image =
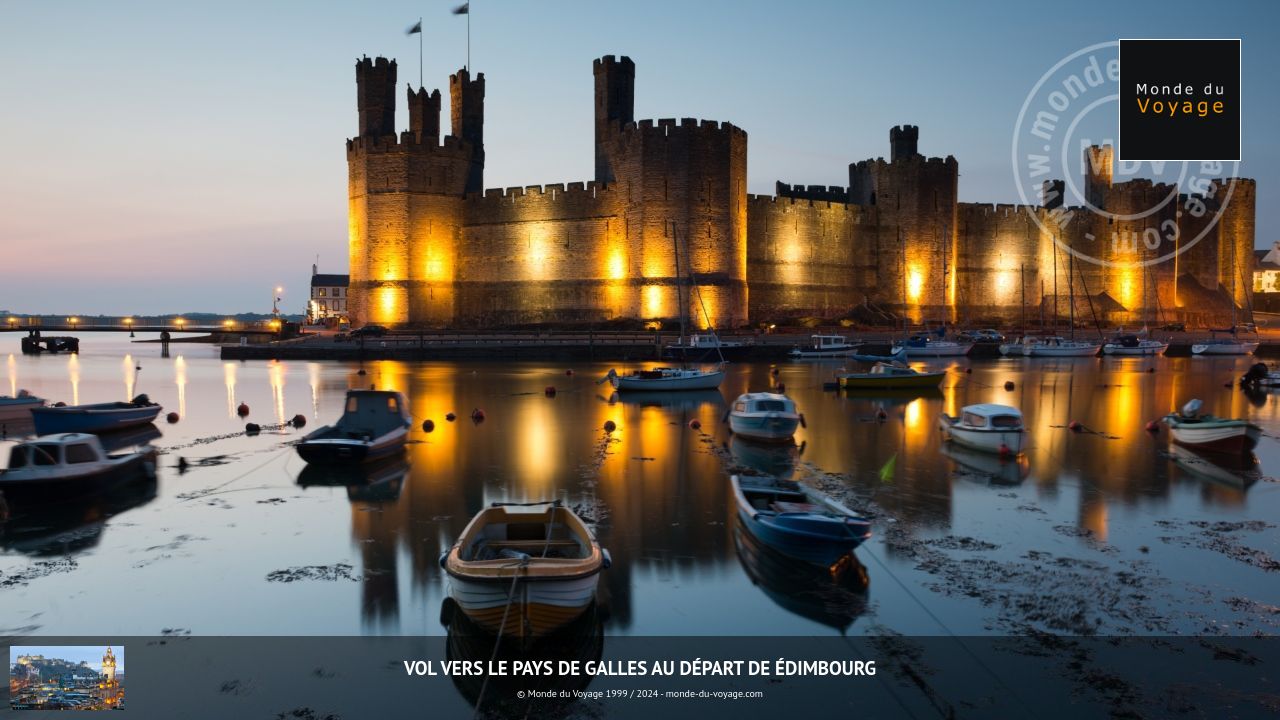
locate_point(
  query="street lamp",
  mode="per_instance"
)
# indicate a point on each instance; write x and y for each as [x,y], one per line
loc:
[180,322]
[128,322]
[13,322]
[73,321]
[275,302]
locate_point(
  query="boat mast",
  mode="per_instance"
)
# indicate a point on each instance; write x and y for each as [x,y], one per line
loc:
[1056,314]
[902,272]
[1071,291]
[943,313]
[675,245]
[1022,286]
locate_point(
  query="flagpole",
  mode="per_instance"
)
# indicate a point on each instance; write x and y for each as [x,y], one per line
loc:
[468,36]
[420,33]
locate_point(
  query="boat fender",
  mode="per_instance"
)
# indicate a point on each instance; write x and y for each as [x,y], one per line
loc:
[802,422]
[1153,426]
[252,428]
[477,416]
[450,417]
[1008,385]
[171,417]
[1075,426]
[608,559]
[610,426]
[242,410]
[299,421]
[1005,452]
[695,424]
[881,415]
[428,425]
[549,391]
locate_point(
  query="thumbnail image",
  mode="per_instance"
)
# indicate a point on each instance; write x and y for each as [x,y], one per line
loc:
[66,677]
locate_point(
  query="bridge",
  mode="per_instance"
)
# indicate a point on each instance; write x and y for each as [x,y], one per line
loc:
[128,325]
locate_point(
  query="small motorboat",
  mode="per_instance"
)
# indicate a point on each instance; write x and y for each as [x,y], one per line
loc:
[771,417]
[68,466]
[1015,348]
[926,346]
[709,347]
[1260,376]
[798,520]
[987,427]
[1057,346]
[1189,428]
[1223,346]
[96,418]
[375,424]
[665,379]
[524,572]
[893,353]
[891,376]
[825,346]
[18,409]
[1132,345]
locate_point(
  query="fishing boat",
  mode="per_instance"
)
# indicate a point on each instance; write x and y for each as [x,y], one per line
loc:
[664,379]
[798,520]
[1189,428]
[1058,346]
[18,409]
[1132,345]
[893,353]
[66,466]
[771,417]
[1225,346]
[987,427]
[890,376]
[702,346]
[926,346]
[374,424]
[96,418]
[524,572]
[825,346]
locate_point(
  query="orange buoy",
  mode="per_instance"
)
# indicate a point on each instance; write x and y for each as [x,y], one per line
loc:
[428,425]
[171,417]
[569,372]
[299,420]
[1005,452]
[881,415]
[242,410]
[1075,426]
[694,424]
[450,417]
[477,416]
[1008,385]
[1153,426]
[610,426]
[549,391]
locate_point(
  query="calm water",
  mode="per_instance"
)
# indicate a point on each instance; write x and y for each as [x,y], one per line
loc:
[1100,531]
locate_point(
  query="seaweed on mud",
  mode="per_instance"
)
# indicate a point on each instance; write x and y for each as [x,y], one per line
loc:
[36,570]
[338,571]
[1220,537]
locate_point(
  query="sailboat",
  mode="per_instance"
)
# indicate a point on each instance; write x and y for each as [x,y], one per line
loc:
[664,379]
[1227,346]
[1056,345]
[923,345]
[1135,344]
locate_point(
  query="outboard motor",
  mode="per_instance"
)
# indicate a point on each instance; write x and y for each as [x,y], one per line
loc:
[1191,409]
[141,400]
[1256,373]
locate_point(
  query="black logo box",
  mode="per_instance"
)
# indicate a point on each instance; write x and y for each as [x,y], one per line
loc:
[1189,64]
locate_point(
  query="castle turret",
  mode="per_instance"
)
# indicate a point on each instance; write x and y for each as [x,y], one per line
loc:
[902,142]
[467,104]
[424,115]
[376,96]
[1098,165]
[615,106]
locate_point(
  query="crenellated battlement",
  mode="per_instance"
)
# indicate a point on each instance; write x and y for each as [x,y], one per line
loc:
[830,193]
[669,127]
[994,210]
[406,142]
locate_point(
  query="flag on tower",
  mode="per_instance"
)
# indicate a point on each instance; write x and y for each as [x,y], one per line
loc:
[463,9]
[417,28]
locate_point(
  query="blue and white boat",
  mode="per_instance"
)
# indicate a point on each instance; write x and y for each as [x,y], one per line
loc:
[896,353]
[770,417]
[797,520]
[96,418]
[374,424]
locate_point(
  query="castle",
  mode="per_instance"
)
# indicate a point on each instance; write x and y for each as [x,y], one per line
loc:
[668,209]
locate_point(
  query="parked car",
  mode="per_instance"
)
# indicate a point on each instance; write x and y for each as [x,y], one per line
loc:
[1174,327]
[981,336]
[369,331]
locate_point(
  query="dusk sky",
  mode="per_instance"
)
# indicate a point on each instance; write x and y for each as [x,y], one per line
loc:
[91,654]
[171,157]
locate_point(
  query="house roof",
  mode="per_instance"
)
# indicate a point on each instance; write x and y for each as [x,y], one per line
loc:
[330,280]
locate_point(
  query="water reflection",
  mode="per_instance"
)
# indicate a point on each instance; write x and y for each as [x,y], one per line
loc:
[765,458]
[229,379]
[987,468]
[834,596]
[180,380]
[66,528]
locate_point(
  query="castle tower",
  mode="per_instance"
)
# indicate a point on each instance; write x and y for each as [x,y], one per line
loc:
[614,107]
[376,96]
[1098,167]
[424,115]
[109,666]
[466,98]
[902,142]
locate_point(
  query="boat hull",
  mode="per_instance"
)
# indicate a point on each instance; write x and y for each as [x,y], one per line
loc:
[990,441]
[767,428]
[707,354]
[93,481]
[1243,348]
[538,606]
[816,539]
[702,381]
[18,410]
[937,351]
[822,354]
[348,452]
[1050,351]
[1235,437]
[871,381]
[54,420]
[1122,351]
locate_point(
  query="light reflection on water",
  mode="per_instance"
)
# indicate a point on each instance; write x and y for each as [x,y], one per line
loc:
[197,554]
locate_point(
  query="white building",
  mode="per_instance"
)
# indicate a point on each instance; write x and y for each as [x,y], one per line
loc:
[1266,270]
[328,297]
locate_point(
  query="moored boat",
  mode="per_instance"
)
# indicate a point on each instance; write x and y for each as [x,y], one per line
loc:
[798,520]
[890,376]
[95,418]
[708,346]
[1189,428]
[525,572]
[1224,346]
[18,409]
[926,346]
[665,379]
[374,424]
[1056,346]
[987,427]
[1132,345]
[770,417]
[825,346]
[892,353]
[66,466]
